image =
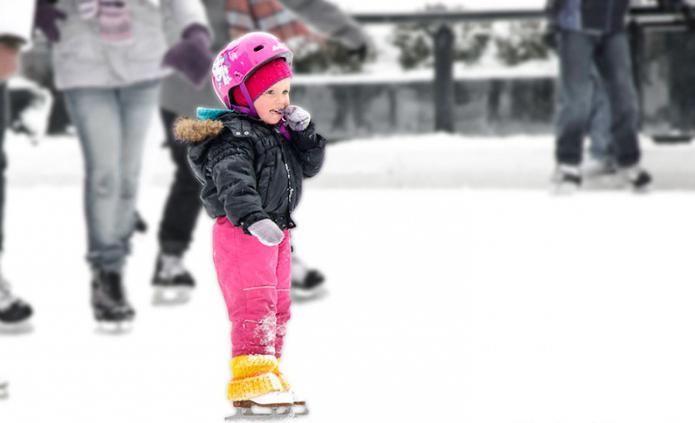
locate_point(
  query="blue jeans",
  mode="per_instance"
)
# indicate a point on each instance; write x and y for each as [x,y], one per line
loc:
[611,55]
[112,124]
[600,146]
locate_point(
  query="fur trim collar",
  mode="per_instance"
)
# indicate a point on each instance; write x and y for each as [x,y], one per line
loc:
[194,131]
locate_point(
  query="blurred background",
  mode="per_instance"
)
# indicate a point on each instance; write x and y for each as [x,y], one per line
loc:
[457,288]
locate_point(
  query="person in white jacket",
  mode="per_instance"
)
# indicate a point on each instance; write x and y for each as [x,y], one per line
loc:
[16,21]
[107,60]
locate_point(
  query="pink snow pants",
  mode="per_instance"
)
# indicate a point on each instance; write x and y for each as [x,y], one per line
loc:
[255,281]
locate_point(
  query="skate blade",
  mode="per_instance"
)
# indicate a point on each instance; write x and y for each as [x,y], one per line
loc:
[19,328]
[564,190]
[114,328]
[301,296]
[261,413]
[299,410]
[171,296]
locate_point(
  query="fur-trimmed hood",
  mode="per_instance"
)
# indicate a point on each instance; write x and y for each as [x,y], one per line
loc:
[206,126]
[194,131]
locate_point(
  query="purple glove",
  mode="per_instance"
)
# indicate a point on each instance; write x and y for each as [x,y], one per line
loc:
[191,56]
[297,118]
[46,19]
[267,232]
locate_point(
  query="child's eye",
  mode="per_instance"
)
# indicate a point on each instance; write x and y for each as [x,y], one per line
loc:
[270,92]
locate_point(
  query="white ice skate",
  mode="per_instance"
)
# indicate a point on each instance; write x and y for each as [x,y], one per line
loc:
[566,180]
[299,405]
[275,405]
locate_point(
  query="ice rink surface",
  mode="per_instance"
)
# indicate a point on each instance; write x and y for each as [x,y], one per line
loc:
[459,290]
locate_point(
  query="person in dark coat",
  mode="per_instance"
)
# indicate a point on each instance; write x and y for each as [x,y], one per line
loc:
[593,32]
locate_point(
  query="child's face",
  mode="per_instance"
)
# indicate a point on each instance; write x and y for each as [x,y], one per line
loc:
[269,105]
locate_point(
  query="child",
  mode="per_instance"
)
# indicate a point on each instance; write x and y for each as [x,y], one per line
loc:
[251,158]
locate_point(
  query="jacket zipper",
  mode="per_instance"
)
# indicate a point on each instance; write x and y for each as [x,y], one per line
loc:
[289,177]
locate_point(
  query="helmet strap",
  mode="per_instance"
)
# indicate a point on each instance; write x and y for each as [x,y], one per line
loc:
[245,92]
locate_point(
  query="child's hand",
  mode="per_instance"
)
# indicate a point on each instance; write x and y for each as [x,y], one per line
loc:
[297,118]
[267,232]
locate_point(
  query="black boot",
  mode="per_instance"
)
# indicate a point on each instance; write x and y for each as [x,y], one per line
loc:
[307,282]
[13,311]
[108,298]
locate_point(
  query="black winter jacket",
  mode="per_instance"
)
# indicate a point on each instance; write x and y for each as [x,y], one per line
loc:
[248,170]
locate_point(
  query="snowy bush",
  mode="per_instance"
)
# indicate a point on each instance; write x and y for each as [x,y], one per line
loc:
[511,43]
[523,42]
[329,57]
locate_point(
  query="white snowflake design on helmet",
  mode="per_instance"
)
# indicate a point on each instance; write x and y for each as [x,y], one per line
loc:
[221,71]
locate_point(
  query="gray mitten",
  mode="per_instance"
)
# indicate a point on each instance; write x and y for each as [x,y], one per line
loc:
[267,232]
[297,118]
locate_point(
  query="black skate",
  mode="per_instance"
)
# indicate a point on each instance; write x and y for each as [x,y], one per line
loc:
[172,283]
[307,283]
[111,308]
[567,179]
[15,314]
[275,405]
[636,178]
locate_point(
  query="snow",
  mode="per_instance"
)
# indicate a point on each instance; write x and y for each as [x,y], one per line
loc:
[459,290]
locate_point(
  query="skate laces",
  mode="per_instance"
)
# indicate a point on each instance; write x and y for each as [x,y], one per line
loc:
[171,266]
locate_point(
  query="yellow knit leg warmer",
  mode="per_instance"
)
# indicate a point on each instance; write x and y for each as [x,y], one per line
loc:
[283,381]
[253,375]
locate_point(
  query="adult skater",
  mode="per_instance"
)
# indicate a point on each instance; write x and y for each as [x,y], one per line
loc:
[15,30]
[107,59]
[601,157]
[593,32]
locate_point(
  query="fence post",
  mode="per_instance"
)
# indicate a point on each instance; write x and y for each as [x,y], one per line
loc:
[444,79]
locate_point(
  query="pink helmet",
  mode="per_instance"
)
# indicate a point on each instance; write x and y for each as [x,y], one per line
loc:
[236,62]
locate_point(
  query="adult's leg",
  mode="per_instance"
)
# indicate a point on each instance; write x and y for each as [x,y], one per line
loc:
[614,64]
[137,107]
[576,56]
[96,115]
[183,205]
[600,147]
[4,110]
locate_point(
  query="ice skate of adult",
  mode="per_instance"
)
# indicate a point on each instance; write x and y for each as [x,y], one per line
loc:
[15,314]
[307,284]
[112,311]
[172,283]
[567,179]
